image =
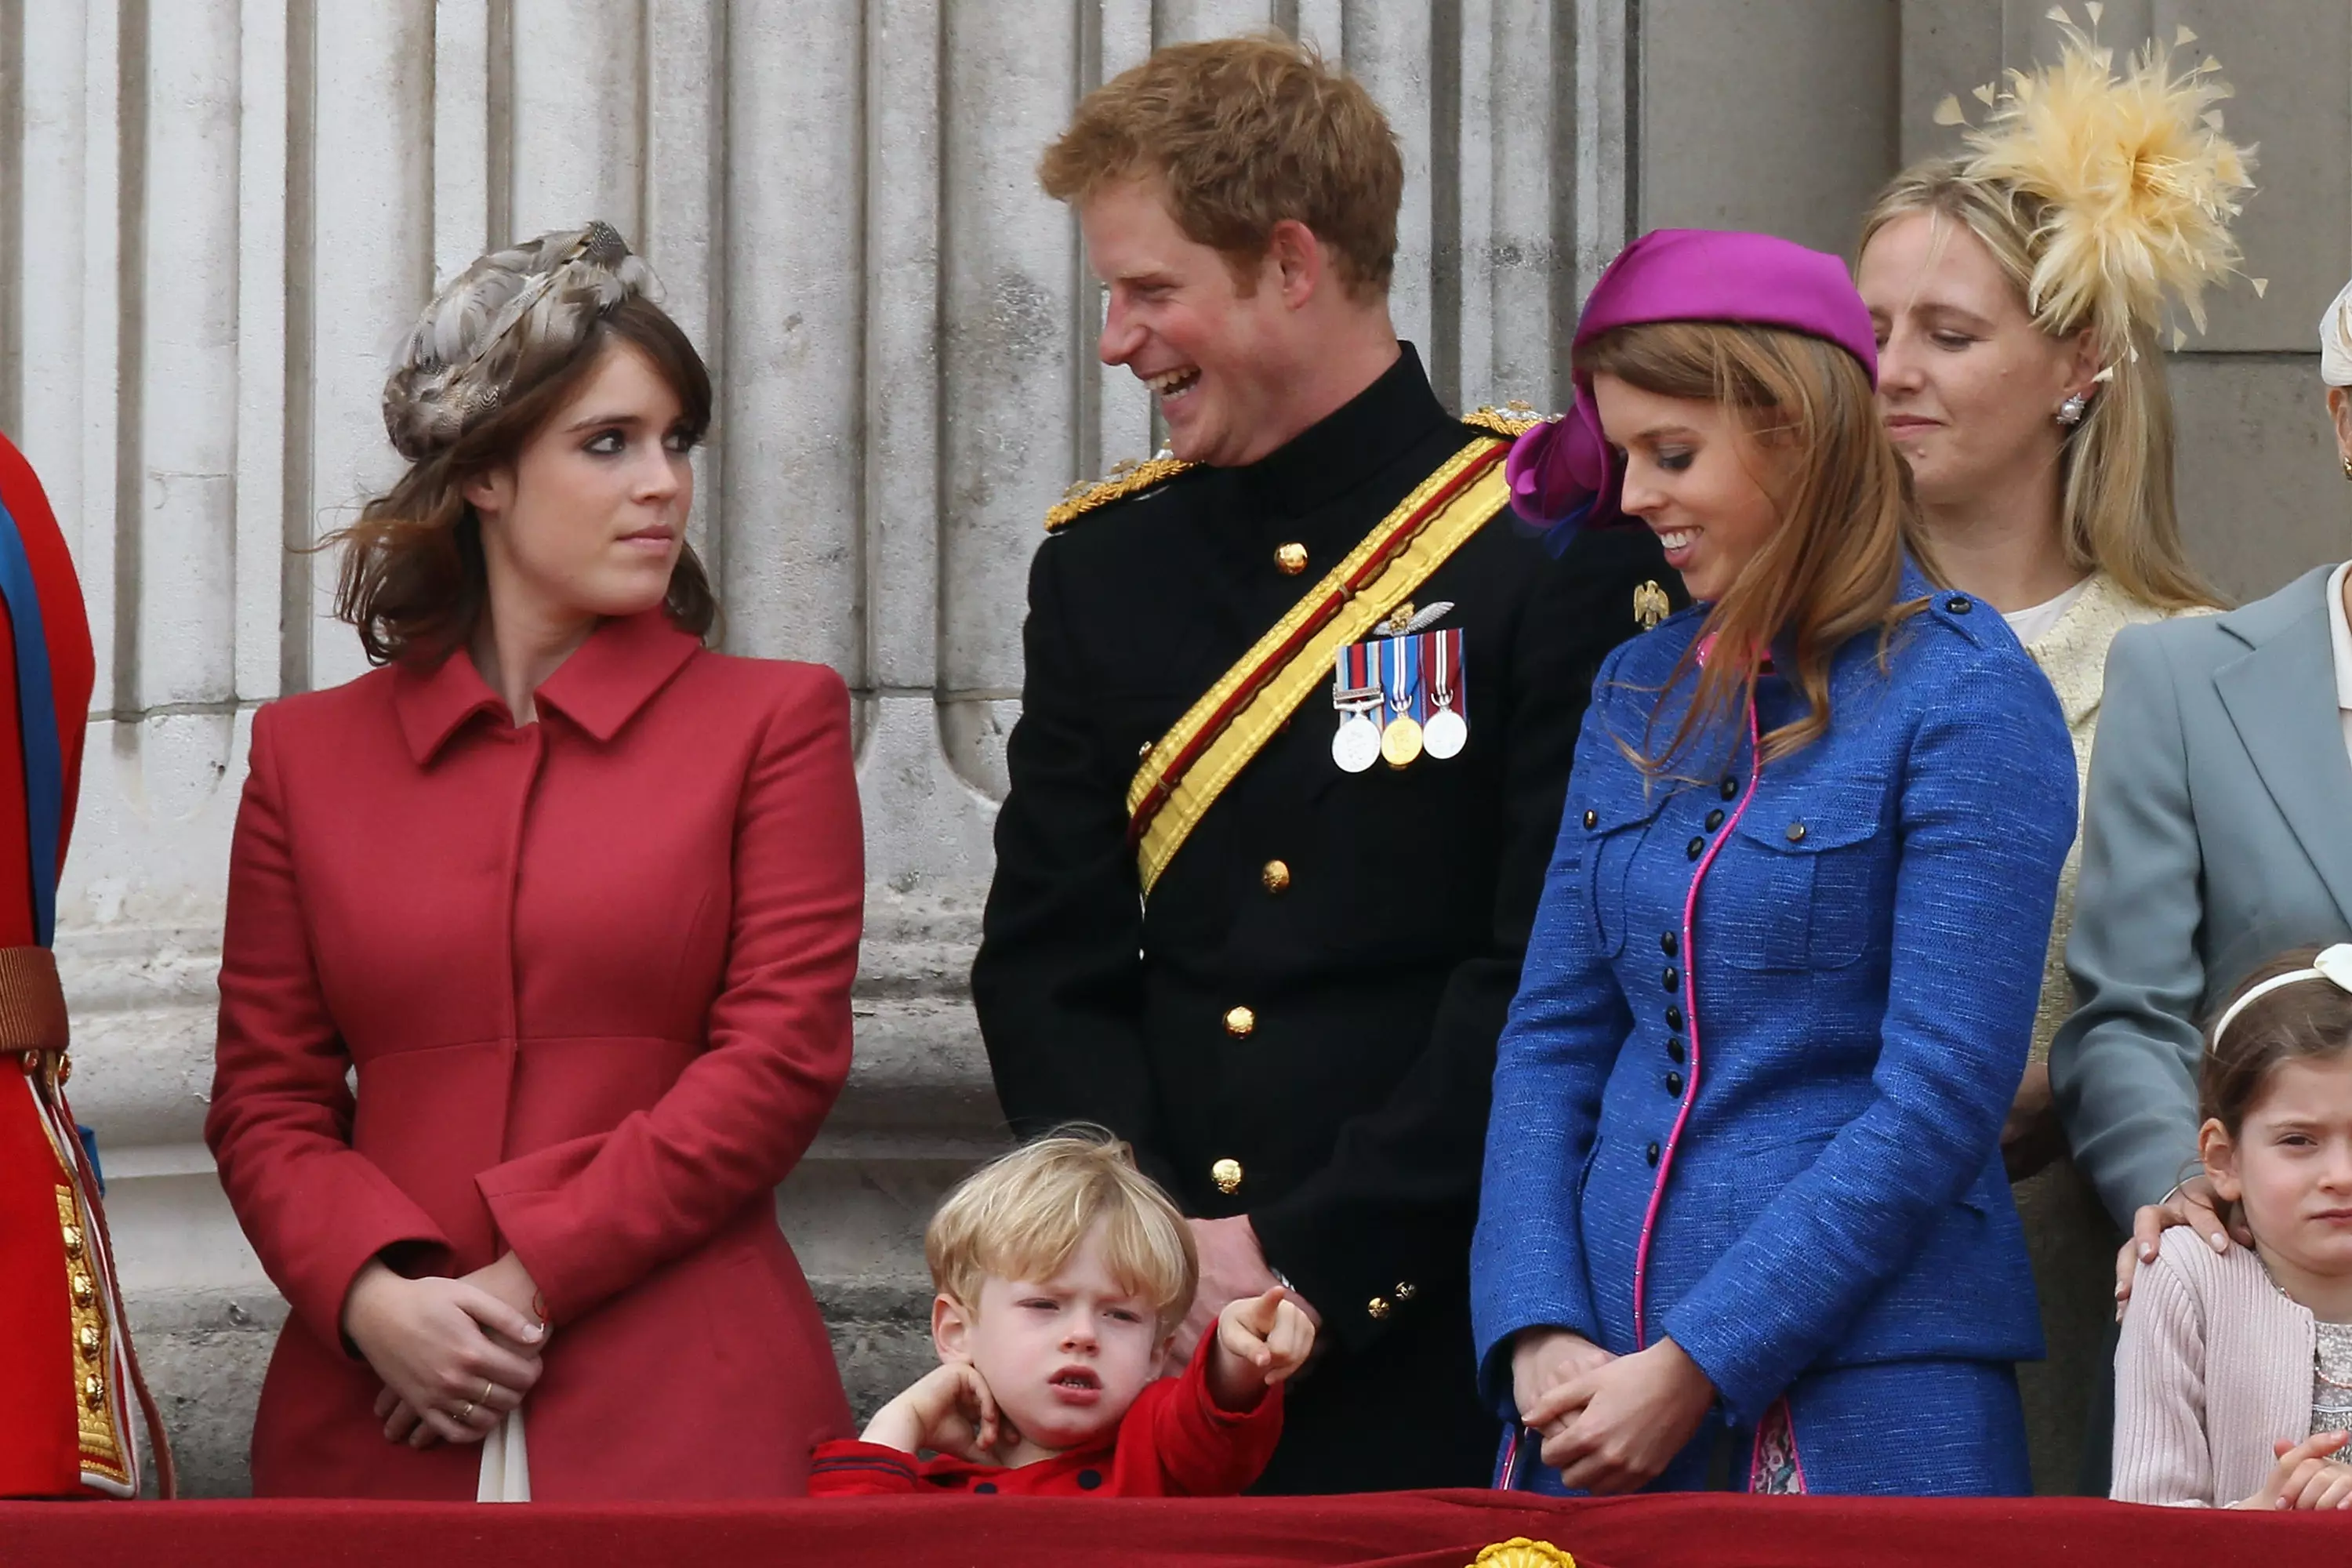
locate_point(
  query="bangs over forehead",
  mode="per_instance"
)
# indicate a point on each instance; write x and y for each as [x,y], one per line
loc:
[1025,1215]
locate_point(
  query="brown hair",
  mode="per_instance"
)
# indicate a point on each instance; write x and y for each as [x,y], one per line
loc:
[2116,511]
[1023,1215]
[412,580]
[1831,569]
[1244,132]
[2311,1018]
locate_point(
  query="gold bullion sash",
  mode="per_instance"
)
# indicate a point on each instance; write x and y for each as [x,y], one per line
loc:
[1191,765]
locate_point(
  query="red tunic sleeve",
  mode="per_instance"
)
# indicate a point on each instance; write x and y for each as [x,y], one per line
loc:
[845,1467]
[65,629]
[594,1215]
[1177,1442]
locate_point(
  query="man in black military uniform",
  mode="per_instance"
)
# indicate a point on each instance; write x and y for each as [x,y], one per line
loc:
[1278,963]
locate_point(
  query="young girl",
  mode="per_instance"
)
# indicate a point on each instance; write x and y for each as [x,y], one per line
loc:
[2233,1384]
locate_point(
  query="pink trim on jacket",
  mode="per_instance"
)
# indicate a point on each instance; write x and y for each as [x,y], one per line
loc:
[1690,1009]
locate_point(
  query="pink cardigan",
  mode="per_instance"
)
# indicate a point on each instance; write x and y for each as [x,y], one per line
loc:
[2214,1366]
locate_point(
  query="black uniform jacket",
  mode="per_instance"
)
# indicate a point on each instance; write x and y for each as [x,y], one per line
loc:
[1314,989]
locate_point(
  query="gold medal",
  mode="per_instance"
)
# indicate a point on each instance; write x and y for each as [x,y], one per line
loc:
[1401,742]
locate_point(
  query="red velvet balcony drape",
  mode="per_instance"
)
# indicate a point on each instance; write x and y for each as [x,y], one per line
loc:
[1403,1530]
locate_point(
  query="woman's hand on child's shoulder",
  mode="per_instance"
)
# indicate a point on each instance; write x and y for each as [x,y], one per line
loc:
[948,1410]
[2305,1476]
[1261,1340]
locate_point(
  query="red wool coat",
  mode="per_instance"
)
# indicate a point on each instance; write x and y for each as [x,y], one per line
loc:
[593,973]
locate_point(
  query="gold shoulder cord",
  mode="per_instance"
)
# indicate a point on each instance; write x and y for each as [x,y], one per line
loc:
[1132,477]
[1513,419]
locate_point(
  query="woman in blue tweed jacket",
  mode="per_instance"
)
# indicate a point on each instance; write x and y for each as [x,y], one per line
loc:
[1744,1222]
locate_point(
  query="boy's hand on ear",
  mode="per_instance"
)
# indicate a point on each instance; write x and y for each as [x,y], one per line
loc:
[1261,1340]
[948,1410]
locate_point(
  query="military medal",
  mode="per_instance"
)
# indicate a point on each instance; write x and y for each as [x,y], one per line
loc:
[1356,745]
[1400,739]
[1447,731]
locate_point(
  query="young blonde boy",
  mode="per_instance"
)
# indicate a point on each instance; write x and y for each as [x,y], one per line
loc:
[1063,1273]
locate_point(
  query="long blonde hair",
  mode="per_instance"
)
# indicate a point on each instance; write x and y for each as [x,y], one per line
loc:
[1832,569]
[2117,513]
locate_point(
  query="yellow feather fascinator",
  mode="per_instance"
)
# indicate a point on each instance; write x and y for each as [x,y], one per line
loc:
[2136,181]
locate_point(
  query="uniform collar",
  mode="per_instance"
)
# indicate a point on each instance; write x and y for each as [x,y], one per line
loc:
[1357,440]
[600,688]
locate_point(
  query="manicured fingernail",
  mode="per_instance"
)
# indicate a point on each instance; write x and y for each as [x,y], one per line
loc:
[2220,1242]
[2146,1253]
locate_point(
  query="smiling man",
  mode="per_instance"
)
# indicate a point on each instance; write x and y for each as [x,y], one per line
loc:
[1296,723]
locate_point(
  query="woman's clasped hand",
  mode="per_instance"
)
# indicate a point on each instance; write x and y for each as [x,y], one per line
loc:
[1608,1424]
[455,1355]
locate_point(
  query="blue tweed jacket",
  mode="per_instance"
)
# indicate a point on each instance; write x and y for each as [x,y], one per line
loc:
[1820,1143]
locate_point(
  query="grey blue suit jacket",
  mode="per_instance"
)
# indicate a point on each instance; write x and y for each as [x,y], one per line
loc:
[2216,833]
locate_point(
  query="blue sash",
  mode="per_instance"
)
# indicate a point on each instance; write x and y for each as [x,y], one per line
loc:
[37,723]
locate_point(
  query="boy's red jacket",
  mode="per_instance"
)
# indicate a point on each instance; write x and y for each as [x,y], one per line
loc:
[1173,1442]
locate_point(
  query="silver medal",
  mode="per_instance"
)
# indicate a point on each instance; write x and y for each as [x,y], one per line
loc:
[1357,746]
[1447,731]
[1445,735]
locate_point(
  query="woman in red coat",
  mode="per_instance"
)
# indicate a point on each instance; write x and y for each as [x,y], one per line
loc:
[579,901]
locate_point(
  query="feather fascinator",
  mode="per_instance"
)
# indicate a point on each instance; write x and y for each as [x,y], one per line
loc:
[2136,181]
[508,309]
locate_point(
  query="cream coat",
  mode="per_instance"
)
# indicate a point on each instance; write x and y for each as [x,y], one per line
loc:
[2068,1235]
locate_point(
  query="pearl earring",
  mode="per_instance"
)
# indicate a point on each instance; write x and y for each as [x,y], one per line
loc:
[2070,413]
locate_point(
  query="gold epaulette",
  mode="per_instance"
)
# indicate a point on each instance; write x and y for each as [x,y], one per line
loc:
[1513,418]
[1125,479]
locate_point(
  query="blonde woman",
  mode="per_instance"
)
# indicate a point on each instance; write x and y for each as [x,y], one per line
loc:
[2022,377]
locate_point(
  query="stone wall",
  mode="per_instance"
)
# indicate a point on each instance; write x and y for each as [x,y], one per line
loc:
[223,212]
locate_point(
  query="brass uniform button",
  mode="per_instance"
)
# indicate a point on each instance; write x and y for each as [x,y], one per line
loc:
[1291,559]
[73,1241]
[1227,1174]
[89,1342]
[84,1291]
[1277,877]
[1406,1291]
[93,1391]
[1377,1307]
[1239,1022]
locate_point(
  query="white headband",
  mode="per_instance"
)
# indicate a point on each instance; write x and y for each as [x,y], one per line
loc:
[2334,965]
[2335,341]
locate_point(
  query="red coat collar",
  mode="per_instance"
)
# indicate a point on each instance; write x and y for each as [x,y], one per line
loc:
[600,688]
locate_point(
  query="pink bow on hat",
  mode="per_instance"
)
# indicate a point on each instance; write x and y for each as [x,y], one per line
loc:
[1557,469]
[1563,476]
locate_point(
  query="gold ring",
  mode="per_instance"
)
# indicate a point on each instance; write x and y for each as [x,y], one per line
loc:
[467,1415]
[485,1399]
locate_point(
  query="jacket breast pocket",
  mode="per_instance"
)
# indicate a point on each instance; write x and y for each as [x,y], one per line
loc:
[1826,885]
[1614,833]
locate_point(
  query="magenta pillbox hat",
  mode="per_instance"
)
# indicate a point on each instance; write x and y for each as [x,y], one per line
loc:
[1563,477]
